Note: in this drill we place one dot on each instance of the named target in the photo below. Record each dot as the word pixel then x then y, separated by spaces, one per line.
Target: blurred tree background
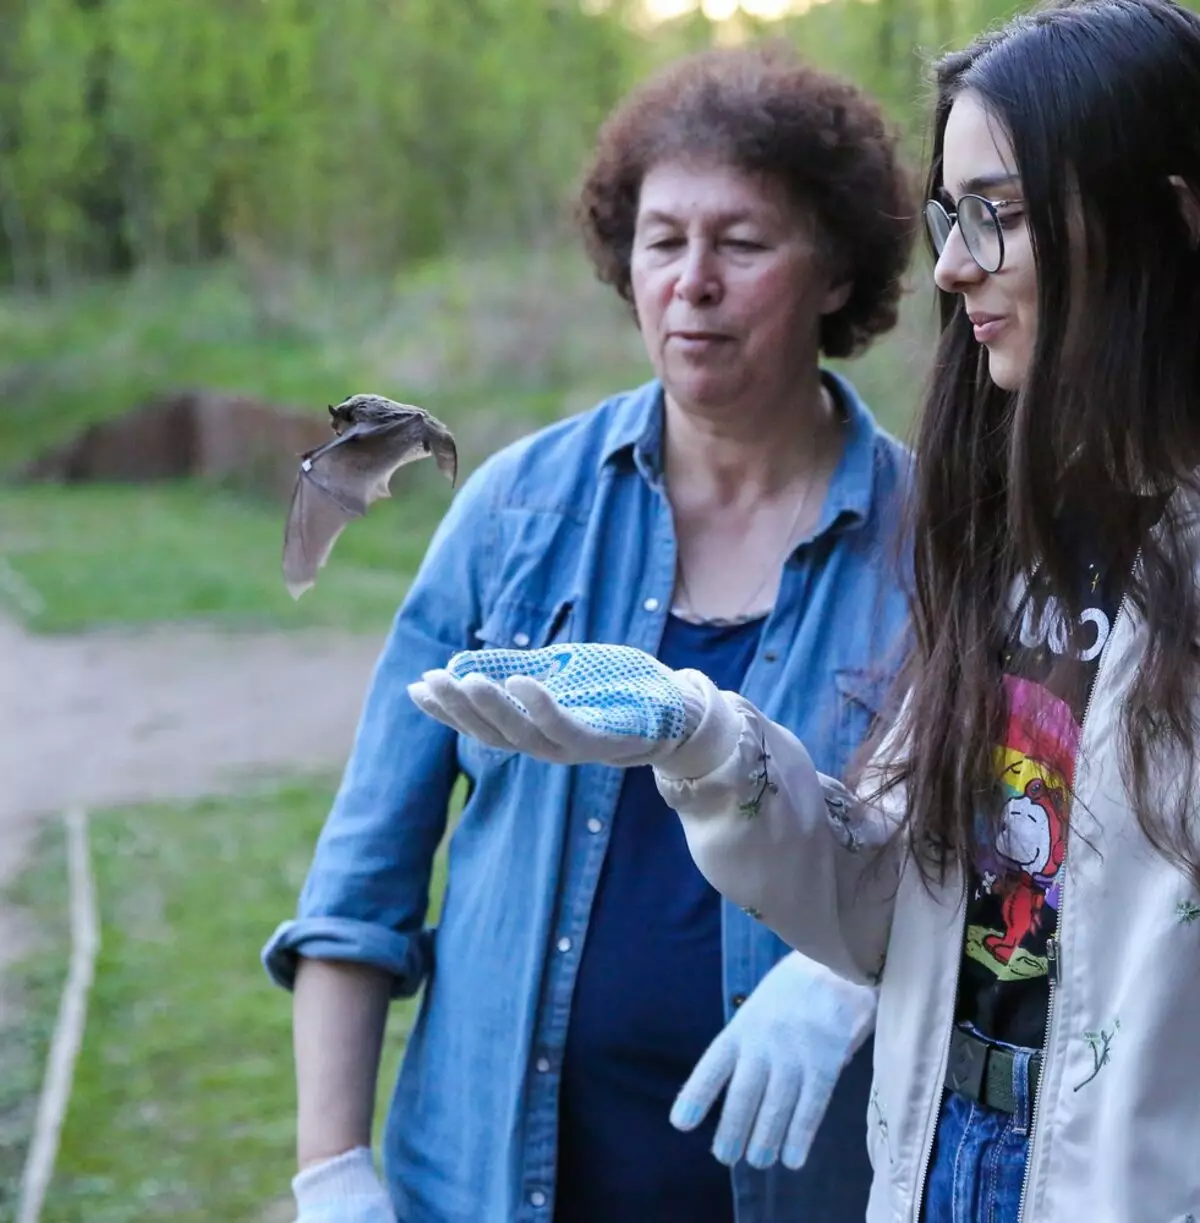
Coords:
pixel 357 135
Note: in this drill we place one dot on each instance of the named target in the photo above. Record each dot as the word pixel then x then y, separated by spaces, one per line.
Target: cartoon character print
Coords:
pixel 1031 842
pixel 1016 904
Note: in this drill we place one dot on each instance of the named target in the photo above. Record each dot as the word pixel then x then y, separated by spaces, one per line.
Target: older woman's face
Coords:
pixel 728 283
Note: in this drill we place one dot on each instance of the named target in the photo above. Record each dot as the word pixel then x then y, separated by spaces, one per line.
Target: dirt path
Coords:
pixel 119 717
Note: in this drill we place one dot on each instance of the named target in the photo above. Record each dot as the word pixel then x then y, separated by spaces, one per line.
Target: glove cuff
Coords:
pixel 350 1175
pixel 718 729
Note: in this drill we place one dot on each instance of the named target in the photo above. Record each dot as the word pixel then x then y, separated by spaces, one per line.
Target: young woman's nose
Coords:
pixel 955 269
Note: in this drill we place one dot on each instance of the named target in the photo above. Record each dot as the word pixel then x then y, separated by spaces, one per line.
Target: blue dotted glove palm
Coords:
pixel 568 704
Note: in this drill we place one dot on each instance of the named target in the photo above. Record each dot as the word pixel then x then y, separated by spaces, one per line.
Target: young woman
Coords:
pixel 1019 865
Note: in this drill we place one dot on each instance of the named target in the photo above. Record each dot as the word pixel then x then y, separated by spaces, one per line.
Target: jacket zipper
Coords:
pixel 1053 967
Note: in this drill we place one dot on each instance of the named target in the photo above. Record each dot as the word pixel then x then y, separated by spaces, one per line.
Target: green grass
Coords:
pixel 92 555
pixel 184 1100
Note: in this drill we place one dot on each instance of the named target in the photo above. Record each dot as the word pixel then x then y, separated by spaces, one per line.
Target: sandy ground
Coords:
pixel 119 717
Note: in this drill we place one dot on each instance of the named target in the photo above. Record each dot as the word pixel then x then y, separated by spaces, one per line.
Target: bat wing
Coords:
pixel 315 520
pixel 337 482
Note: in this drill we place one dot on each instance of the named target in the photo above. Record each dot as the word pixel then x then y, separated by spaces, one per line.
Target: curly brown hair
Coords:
pixel 763 110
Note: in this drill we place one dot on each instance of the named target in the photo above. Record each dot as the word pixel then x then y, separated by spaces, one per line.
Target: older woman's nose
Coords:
pixel 698 280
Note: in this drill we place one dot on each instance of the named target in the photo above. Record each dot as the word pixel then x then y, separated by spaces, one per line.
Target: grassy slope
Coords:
pixel 495 348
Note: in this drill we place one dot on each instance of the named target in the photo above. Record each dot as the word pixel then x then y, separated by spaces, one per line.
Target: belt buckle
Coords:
pixel 968 1066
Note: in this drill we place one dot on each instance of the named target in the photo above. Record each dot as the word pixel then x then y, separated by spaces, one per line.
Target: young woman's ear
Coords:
pixel 1189 205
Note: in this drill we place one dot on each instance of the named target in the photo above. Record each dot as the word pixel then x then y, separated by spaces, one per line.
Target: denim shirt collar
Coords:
pixel 636 430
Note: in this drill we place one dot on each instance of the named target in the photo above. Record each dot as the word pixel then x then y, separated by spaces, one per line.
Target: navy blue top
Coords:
pixel 648 999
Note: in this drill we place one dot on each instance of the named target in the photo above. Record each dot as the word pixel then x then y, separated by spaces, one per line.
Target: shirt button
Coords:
pixel 738 999
pixel 651 604
pixel 769 656
pixel 564 944
pixel 537 1198
pixel 521 639
pixel 594 825
pixel 543 1065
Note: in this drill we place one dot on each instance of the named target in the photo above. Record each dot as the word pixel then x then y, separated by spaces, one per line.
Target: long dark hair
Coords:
pixel 1100 99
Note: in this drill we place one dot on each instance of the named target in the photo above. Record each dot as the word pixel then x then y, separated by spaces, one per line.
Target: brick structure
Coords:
pixel 207 435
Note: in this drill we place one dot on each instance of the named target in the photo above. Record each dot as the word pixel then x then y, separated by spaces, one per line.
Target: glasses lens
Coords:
pixel 981 232
pixel 938 224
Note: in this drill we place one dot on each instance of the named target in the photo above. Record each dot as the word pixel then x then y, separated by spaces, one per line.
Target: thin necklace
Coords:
pixel 776 563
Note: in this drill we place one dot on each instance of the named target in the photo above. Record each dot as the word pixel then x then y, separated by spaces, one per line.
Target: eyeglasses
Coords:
pixel 978 221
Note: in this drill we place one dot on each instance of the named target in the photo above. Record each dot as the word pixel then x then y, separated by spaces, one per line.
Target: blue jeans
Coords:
pixel 978 1163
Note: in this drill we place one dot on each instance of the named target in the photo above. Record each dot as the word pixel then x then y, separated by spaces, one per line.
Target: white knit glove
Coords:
pixel 584 704
pixel 344 1189
pixel 781 1056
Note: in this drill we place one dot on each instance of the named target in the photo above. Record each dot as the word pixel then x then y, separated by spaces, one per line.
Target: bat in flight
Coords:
pixel 339 480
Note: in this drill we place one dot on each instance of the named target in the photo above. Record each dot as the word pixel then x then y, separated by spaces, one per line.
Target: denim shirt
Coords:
pixel 566 535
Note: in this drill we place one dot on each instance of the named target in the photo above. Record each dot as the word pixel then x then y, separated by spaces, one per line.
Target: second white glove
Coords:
pixel 343 1189
pixel 780 1058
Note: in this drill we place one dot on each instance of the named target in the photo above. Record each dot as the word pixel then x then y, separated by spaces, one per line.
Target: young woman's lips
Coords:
pixel 987 326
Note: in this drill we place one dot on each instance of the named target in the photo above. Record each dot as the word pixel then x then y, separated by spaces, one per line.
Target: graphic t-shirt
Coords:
pixel 1012 905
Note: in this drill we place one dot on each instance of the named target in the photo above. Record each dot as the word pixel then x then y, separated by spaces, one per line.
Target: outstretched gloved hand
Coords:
pixel 344 1189
pixel 583 704
pixel 781 1056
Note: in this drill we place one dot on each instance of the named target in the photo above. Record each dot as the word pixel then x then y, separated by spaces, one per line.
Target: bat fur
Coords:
pixel 337 482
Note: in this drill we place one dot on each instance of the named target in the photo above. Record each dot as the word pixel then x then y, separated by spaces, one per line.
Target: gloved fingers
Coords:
pixel 588 732
pixel 816 1090
pixel 742 1100
pixel 545 712
pixel 704 1084
pixel 498 665
pixel 779 1103
pixel 440 696
pixel 498 709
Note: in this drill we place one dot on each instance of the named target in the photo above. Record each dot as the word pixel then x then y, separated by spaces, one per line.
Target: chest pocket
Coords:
pixel 513 625
pixel 861 696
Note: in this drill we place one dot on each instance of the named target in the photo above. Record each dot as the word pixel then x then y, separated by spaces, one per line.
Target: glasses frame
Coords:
pixel 950 215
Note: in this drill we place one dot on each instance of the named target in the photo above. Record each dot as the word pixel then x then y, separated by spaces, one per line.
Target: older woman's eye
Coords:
pixel 664 244
pixel 744 244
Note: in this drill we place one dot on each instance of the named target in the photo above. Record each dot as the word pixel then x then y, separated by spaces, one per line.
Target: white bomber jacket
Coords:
pixel 1116 1134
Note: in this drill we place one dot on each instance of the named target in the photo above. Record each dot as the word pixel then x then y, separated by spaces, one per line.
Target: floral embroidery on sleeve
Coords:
pixel 761 779
pixel 881 1122
pixel 839 809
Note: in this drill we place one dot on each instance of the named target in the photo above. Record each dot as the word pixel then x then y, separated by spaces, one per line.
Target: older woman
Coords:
pixel 728 516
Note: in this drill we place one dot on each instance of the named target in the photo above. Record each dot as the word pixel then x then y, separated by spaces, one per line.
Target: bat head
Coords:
pixel 434 437
pixel 365 410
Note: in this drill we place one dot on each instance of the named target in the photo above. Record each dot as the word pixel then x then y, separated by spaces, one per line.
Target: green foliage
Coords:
pixel 183 1105
pixel 351 135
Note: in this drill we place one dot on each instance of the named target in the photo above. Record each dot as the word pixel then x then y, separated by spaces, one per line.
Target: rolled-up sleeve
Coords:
pixel 367 891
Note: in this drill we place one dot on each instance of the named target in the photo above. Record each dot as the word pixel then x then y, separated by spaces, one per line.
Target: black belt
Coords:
pixel 982 1071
